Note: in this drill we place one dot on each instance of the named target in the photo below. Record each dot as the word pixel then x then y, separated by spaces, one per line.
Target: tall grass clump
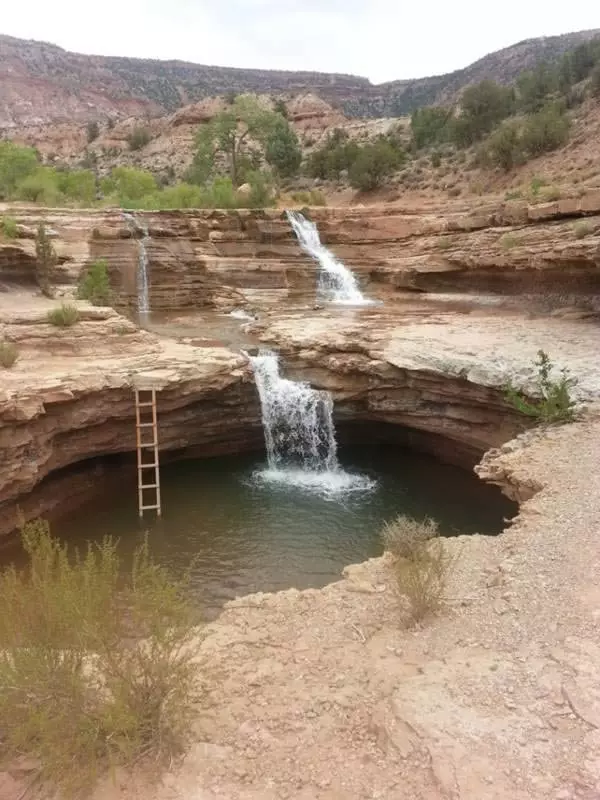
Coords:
pixel 422 564
pixel 96 663
pixel 8 354
pixel 9 228
pixel 95 284
pixel 64 316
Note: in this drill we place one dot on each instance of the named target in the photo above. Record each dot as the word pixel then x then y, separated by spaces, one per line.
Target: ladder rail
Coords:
pixel 145 482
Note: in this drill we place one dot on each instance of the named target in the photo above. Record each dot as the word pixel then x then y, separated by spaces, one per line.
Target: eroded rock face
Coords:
pixel 225 258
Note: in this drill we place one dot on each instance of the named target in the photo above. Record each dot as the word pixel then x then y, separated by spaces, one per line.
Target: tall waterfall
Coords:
pixel 135 226
pixel 336 283
pixel 299 433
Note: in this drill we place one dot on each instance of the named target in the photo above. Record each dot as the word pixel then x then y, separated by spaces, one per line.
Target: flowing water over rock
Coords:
pixel 143 299
pixel 299 433
pixel 337 284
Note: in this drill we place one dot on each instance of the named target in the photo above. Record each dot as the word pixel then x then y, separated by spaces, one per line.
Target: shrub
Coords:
pixel 9 228
pixel 95 664
pixel 429 126
pixel 421 564
pixel 138 138
pixel 41 186
pixel 373 163
pixel 544 131
pixel 436 160
pixel 504 146
pixel 64 316
pixel 582 229
pixel 8 354
pixel 555 403
pixel 282 149
pixel 46 260
pixel 16 163
pixel 595 81
pixel 313 198
pixel 95 284
pixel 93 131
pixel 482 107
pixel 509 240
pixel 513 194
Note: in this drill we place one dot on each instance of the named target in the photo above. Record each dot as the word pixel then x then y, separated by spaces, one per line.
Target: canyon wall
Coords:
pixel 224 259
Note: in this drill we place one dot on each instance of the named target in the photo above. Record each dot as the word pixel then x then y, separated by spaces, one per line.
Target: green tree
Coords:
pixel 536 85
pixel 504 145
pixel 429 125
pixel 483 106
pixel 546 130
pixel 595 81
pixel 16 163
pixel 46 260
pixel 373 164
pixel 93 131
pixel 282 150
pixel 129 185
pixel 231 136
pixel 78 185
pixel 138 138
pixel 41 186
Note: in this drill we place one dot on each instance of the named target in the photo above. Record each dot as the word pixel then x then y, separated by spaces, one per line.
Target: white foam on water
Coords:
pixel 239 313
pixel 300 435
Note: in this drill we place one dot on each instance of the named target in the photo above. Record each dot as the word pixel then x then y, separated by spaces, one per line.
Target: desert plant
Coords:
pixel 555 402
pixel 138 138
pixel 93 131
pixel 509 240
pixel 46 260
pixel 95 284
pixel 8 354
pixel 95 662
pixel 8 227
pixel 422 564
pixel 64 316
pixel 582 229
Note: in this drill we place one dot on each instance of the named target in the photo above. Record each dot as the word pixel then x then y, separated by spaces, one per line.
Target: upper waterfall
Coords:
pixel 337 284
pixel 143 298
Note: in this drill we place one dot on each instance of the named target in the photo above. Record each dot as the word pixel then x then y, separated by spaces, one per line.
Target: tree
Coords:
pixel 595 81
pixel 138 138
pixel 483 106
pixel 231 135
pixel 547 130
pixel 46 260
pixel 129 184
pixel 16 163
pixel 429 125
pixel 282 150
pixel 93 131
pixel 536 85
pixel 373 164
pixel 504 145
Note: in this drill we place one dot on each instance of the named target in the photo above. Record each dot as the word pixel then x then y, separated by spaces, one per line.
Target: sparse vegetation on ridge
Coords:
pixel 555 403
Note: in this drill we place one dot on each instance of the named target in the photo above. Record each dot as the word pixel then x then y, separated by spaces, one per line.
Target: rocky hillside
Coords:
pixel 41 83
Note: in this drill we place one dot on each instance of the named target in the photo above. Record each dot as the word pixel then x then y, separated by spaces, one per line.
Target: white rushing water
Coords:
pixel 299 433
pixel 337 284
pixel 239 313
pixel 143 299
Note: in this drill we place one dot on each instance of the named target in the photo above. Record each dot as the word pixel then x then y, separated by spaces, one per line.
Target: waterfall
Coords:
pixel 143 300
pixel 336 283
pixel 299 433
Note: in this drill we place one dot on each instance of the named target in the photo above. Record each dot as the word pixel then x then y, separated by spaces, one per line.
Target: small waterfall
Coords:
pixel 336 283
pixel 299 433
pixel 143 299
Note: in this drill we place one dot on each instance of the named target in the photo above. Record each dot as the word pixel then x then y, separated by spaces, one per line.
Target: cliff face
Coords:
pixel 42 83
pixel 223 259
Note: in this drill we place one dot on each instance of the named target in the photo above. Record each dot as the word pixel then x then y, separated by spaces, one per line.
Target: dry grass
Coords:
pixel 422 564
pixel 582 229
pixel 96 664
pixel 8 354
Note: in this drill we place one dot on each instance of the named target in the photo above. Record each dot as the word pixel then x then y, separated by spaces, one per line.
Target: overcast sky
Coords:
pixel 380 39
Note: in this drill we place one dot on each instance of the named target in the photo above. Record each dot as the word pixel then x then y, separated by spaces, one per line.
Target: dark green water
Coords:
pixel 249 537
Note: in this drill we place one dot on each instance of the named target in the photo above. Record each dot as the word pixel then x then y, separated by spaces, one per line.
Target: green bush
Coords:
pixel 282 149
pixel 582 229
pixel 373 164
pixel 138 138
pixel 9 228
pixel 95 284
pixel 129 186
pixel 96 664
pixel 16 164
pixel 93 131
pixel 509 240
pixel 595 81
pixel 41 186
pixel 544 131
pixel 430 126
pixel 483 106
pixel 436 160
pixel 8 354
pixel 504 146
pixel 555 403
pixel 64 316
pixel 45 261
pixel 312 198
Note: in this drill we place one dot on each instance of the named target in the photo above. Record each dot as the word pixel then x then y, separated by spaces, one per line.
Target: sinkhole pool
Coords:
pixel 247 534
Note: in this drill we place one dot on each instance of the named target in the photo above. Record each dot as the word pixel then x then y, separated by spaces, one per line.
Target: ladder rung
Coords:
pixel 149 444
pixel 145 424
pixel 145 405
pixel 148 485
pixel 152 465
pixel 147 508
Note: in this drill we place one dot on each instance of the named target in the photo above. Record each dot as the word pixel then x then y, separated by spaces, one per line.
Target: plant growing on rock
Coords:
pixel 8 354
pixel 46 260
pixel 8 227
pixel 96 663
pixel 95 284
pixel 555 403
pixel 422 563
pixel 138 138
pixel 582 229
pixel 64 316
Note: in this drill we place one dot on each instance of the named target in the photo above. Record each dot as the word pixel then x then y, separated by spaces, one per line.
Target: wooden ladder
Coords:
pixel 147 448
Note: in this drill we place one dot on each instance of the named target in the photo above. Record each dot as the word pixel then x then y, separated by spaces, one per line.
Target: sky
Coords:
pixel 379 39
